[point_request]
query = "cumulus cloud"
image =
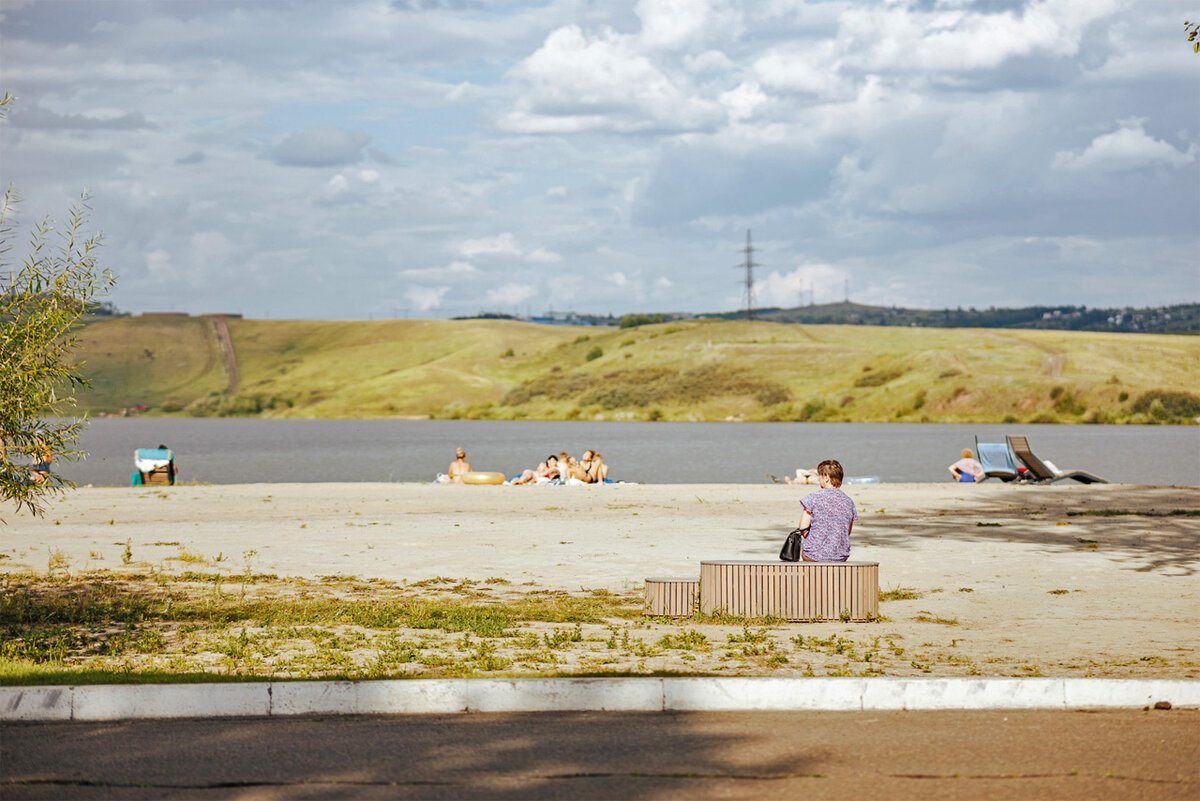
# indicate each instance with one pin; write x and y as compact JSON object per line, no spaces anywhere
{"x":159,"y":266}
{"x":426,"y":298}
{"x":1127,"y":148}
{"x":543,"y":256}
{"x":812,"y":68}
{"x":505,"y":244}
{"x":576,"y":83}
{"x":672,"y":23}
{"x":321,"y":147}
{"x":897,"y":37}
{"x":34,"y":116}
{"x":351,"y":186}
{"x":743,"y":101}
{"x":455,"y":268}
{"x":510,"y":294}
{"x":822,"y":282}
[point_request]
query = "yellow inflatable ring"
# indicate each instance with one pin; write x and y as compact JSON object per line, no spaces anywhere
{"x":483,"y":478}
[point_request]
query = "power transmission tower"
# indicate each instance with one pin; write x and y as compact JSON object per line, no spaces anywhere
{"x":748,"y":265}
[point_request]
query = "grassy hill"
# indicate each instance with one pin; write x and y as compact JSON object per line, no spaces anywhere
{"x":686,"y":370}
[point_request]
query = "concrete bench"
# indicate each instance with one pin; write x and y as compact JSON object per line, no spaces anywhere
{"x":671,"y":597}
{"x":791,"y":590}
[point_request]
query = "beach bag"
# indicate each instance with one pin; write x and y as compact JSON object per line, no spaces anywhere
{"x":792,"y":545}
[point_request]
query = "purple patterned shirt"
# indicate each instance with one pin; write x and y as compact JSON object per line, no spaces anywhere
{"x":832,"y":513}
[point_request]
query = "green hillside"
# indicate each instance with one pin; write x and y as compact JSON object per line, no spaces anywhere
{"x":687,"y":370}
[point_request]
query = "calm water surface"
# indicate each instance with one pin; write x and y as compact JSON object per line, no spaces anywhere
{"x":230,"y":451}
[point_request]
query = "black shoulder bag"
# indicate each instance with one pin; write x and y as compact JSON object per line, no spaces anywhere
{"x":792,"y":546}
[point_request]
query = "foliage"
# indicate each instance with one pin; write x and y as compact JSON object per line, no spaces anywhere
{"x":1168,"y":406}
{"x":877,"y":378}
{"x":634,"y":320}
{"x":41,"y":302}
{"x":1192,"y":29}
{"x":642,"y":387}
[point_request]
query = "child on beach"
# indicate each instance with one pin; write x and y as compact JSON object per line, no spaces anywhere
{"x":829,"y":515}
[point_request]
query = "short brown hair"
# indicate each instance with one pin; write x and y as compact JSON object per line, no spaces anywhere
{"x":832,"y":469}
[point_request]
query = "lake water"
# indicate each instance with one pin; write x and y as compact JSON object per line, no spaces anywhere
{"x":231,"y":451}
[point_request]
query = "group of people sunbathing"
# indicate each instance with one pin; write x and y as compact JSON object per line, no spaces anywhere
{"x":590,"y":469}
{"x":556,"y":469}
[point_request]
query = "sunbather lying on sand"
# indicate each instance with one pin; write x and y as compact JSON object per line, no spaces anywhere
{"x":803,"y":477}
{"x":546,"y":471}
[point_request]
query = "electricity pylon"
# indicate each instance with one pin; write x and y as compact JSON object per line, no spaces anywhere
{"x":748,"y":265}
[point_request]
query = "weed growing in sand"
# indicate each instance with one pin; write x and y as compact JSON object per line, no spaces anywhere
{"x":56,"y":561}
{"x":562,"y":637}
{"x":751,"y":643}
{"x":929,"y":617}
{"x":686,"y":640}
{"x":185,"y":555}
{"x":127,"y":554}
{"x":900,"y":594}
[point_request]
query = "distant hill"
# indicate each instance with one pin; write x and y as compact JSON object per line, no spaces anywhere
{"x":1178,"y":319}
{"x":688,"y":370}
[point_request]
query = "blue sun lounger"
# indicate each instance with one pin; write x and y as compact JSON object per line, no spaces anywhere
{"x":997,"y":460}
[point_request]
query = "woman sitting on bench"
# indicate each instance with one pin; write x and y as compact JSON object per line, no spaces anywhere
{"x":829,"y":516}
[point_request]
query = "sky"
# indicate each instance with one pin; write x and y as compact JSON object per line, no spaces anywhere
{"x":373,"y":159}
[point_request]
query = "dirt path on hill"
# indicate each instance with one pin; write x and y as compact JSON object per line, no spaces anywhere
{"x":226,"y":346}
{"x":1052,"y":365}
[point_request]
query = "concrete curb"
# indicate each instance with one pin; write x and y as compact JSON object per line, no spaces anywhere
{"x":426,"y":696}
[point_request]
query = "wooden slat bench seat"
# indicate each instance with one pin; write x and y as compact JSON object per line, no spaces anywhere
{"x":158,"y":476}
{"x":671,"y":597}
{"x":791,"y":590}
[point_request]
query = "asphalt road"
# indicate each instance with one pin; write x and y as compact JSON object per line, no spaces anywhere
{"x":810,"y":755}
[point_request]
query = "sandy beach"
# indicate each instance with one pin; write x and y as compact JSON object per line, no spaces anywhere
{"x":1001,"y":580}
